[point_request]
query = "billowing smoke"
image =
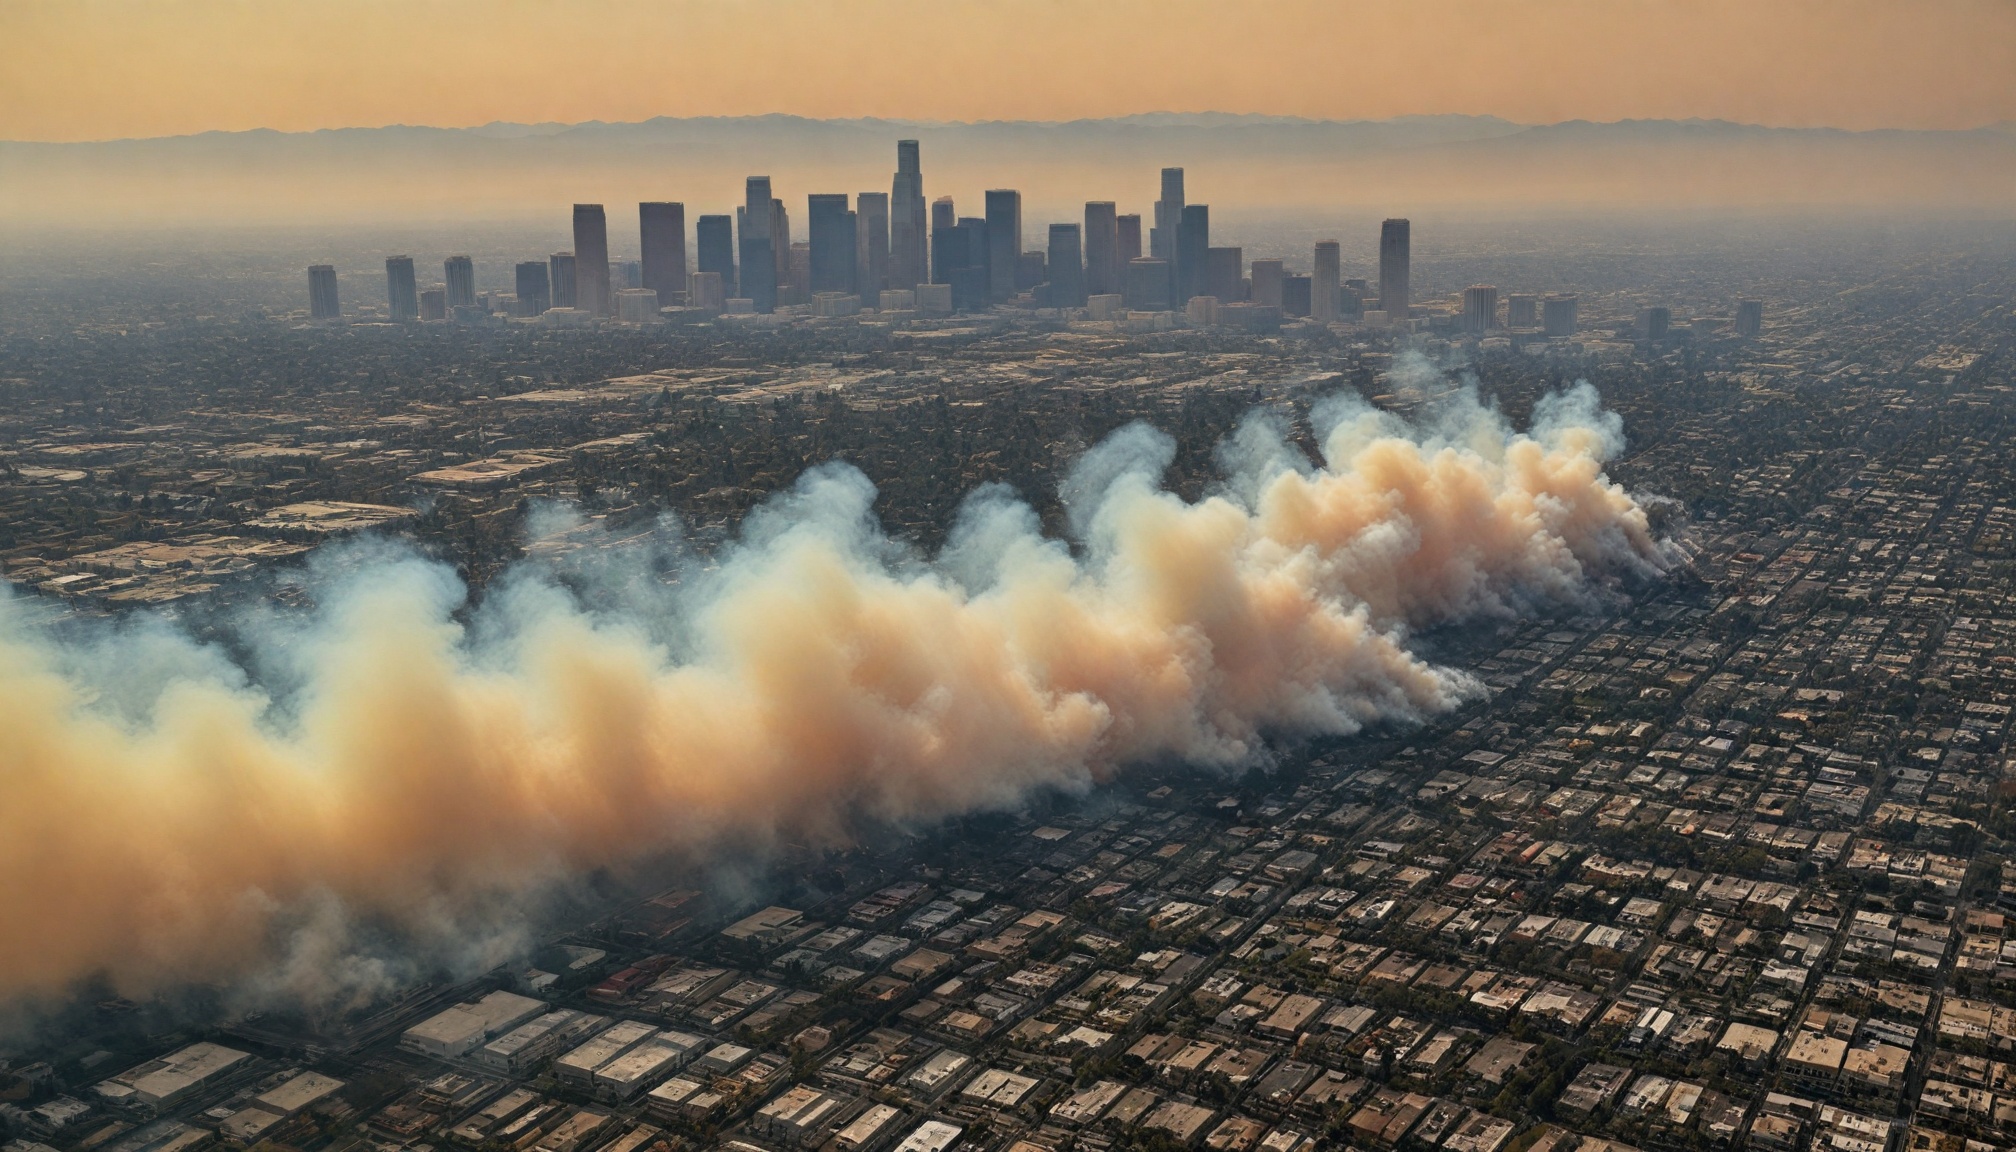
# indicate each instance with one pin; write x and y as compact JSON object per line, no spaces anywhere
{"x":177,"y":811}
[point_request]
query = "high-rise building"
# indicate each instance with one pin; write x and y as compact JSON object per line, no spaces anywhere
{"x":759,"y":258}
{"x":791,"y":279}
{"x":322,"y":303}
{"x":1065,"y":268}
{"x":967,"y":255}
{"x":1654,"y":322}
{"x":1749,"y":318}
{"x":535,"y":288}
{"x":795,"y":288}
{"x":1148,"y":284}
{"x":1004,"y":242}
{"x":1522,"y":310}
{"x":562,"y":265}
{"x":402,"y":292}
{"x":836,"y":242}
{"x":1480,"y":309}
{"x":1557,"y":315}
{"x":948,"y":244}
{"x":1267,"y":277}
{"x":459,"y":273}
{"x":661,"y":234}
{"x":1162,"y":237}
{"x":1295,"y":295}
{"x":1193,"y":242}
{"x":871,"y":228}
{"x":714,"y":237}
{"x":1326,"y":284}
{"x":1102,"y":248}
{"x":591,"y":260}
{"x":1225,"y":274}
{"x":434,"y":303}
{"x":908,"y":220}
{"x":1395,"y":263}
{"x":1128,"y":228}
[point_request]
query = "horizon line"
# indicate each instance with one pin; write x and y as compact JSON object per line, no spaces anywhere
{"x":560,"y":126}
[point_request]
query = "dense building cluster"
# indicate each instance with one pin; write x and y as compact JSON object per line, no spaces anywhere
{"x":1721,"y":864}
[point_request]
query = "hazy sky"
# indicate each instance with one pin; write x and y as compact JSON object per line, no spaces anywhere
{"x":100,"y":69}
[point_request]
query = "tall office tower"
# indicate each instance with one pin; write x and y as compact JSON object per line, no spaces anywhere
{"x":1193,"y":242}
{"x":1557,"y":315}
{"x":1326,"y":283}
{"x":1147,"y":284}
{"x":871,"y":263}
{"x":434,"y":304}
{"x":715,"y":238}
{"x":796,"y":284}
{"x":1749,"y":318}
{"x":1295,"y":292}
{"x":322,"y":303}
{"x":968,"y":256}
{"x":1225,"y":274}
{"x":1522,"y":310}
{"x":1395,"y":257}
{"x":1004,"y":242}
{"x":1162,"y":237}
{"x":908,"y":220}
{"x":591,"y":260}
{"x":535,"y":288}
{"x":947,"y":244}
{"x":759,"y":259}
{"x":562,"y":264}
{"x":626,"y":275}
{"x":1480,"y":309}
{"x":1168,"y":216}
{"x":1065,"y":267}
{"x":1102,"y":248}
{"x":661,"y":233}
{"x":1654,"y":322}
{"x":1267,"y":277}
{"x":781,"y":245}
{"x":835,"y":233}
{"x":459,"y":272}
{"x":401,"y":292}
{"x":1129,"y":229}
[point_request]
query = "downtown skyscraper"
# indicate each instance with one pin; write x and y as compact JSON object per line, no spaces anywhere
{"x":1004,"y":242}
{"x":591,"y":260}
{"x":836,"y":242}
{"x":714,"y":250}
{"x":759,"y":258}
{"x":1102,"y":248}
{"x":909,"y":221}
{"x":871,"y":231}
{"x":402,"y":292}
{"x":1395,"y":261}
{"x":661,"y":231}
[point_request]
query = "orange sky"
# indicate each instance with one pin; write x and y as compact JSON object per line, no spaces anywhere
{"x":99,"y":69}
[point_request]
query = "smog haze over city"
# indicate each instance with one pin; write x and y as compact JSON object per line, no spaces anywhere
{"x":1007,"y":576}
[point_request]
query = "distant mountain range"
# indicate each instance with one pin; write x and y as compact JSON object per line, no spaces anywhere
{"x":1245,"y":162}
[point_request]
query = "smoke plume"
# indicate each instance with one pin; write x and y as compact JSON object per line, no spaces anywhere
{"x":171,"y":811}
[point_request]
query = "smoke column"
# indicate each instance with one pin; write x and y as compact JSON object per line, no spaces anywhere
{"x":170,"y":813}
